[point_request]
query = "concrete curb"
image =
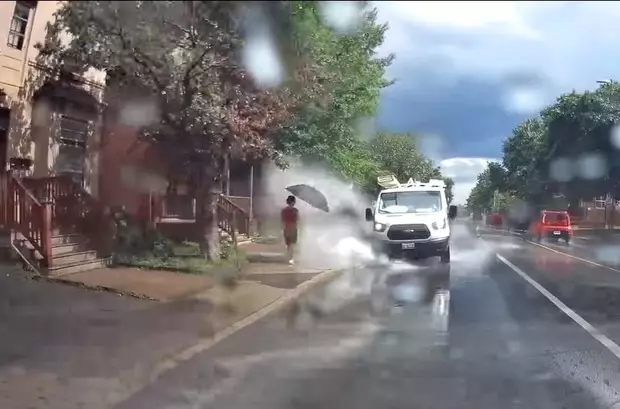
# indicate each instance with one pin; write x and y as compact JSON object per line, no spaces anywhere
{"x":91,"y":287}
{"x":150,"y":375}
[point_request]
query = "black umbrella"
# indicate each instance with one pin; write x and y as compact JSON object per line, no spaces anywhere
{"x":310,"y":195}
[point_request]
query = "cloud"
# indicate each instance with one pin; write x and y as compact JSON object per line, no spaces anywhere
{"x":488,"y":65}
{"x":464,"y":172}
{"x":468,"y":72}
{"x":555,"y":42}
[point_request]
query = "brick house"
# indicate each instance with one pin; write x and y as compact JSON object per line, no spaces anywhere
{"x":64,"y":162}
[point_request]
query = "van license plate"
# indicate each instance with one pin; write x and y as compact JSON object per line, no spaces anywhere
{"x":407,"y":246}
{"x":556,"y":233}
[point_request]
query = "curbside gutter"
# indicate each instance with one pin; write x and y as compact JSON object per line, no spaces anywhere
{"x":142,"y":377}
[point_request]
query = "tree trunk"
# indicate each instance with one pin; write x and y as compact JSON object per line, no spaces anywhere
{"x":206,"y":220}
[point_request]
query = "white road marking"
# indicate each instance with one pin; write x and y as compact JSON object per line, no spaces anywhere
{"x":585,"y":260}
{"x":595,"y":333}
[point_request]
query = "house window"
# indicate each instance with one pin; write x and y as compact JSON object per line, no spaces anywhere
{"x":19,"y":23}
{"x":599,"y":202}
{"x":72,"y":148}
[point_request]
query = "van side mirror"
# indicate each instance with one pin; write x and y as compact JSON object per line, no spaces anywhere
{"x":452,"y":212}
{"x":369,"y":216}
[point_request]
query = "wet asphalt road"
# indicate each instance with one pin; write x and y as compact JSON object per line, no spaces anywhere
{"x":479,"y":337}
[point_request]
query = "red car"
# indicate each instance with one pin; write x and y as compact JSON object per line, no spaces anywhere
{"x":553,"y":225}
{"x":494,"y":220}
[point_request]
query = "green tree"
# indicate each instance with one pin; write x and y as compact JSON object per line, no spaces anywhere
{"x":581,"y":125}
{"x":352,"y":75}
{"x":358,"y":165}
{"x":545,"y":157}
{"x":491,"y":182}
{"x":398,"y":153}
{"x":525,"y":159}
{"x":182,"y":56}
{"x":449,"y":189}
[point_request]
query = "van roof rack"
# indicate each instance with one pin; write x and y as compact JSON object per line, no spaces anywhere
{"x":390,"y":182}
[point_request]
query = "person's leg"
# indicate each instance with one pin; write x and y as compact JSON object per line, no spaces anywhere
{"x":293,"y":245}
{"x":288,"y":241}
{"x":291,"y":254}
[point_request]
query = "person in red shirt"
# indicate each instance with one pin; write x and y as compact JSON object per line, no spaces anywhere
{"x":289,"y":217}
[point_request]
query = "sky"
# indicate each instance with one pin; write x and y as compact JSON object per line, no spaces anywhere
{"x":467,"y":72}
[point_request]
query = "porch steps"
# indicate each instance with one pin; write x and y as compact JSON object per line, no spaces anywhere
{"x":70,"y":254}
{"x":79,"y":266}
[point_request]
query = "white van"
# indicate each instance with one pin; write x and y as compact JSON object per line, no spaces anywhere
{"x":412,"y":220}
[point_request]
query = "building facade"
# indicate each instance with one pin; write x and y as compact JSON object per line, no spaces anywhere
{"x":76,"y":125}
{"x":48,"y":126}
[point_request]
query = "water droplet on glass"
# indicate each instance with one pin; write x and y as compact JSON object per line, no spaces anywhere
{"x":608,"y":254}
{"x":561,"y":170}
{"x":260,"y":54}
{"x":261,"y":59}
{"x":591,"y":166}
{"x":139,"y":113}
{"x":343,"y":16}
{"x":431,"y":146}
{"x":615,"y":137}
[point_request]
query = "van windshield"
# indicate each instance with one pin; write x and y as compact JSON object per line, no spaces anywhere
{"x":410,"y":202}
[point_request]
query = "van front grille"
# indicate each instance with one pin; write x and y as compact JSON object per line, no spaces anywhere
{"x":408,"y":232}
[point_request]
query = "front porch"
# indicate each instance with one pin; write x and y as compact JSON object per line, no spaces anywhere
{"x":175,"y":215}
{"x":58,"y":228}
{"x":53,"y":224}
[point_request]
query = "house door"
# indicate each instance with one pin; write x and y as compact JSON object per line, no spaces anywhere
{"x":5,"y":116}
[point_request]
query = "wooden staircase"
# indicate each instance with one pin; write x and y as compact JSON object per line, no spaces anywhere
{"x":54,"y":225}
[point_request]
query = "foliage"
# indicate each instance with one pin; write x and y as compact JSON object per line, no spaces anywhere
{"x":524,"y":159}
{"x":183,"y":58}
{"x":352,"y":76}
{"x":488,"y":183}
{"x":546,"y":158}
{"x":185,"y":258}
{"x":358,"y":165}
{"x":399,"y":154}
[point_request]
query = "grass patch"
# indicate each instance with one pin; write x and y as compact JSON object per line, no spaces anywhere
{"x":186,"y":258}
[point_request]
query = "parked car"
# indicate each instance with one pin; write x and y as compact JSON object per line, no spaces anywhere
{"x":494,"y":220}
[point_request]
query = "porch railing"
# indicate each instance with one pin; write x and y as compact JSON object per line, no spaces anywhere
{"x":23,"y":212}
{"x":155,"y":208}
{"x":73,"y":210}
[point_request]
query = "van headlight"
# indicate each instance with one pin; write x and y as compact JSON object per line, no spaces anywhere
{"x":380,"y":227}
{"x":443,"y":223}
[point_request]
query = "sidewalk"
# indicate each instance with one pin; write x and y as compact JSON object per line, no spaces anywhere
{"x":65,"y":347}
{"x":596,"y":234}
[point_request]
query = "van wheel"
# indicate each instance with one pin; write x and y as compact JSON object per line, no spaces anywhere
{"x":445,"y":256}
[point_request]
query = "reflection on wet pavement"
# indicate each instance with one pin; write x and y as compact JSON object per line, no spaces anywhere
{"x":473,"y":336}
